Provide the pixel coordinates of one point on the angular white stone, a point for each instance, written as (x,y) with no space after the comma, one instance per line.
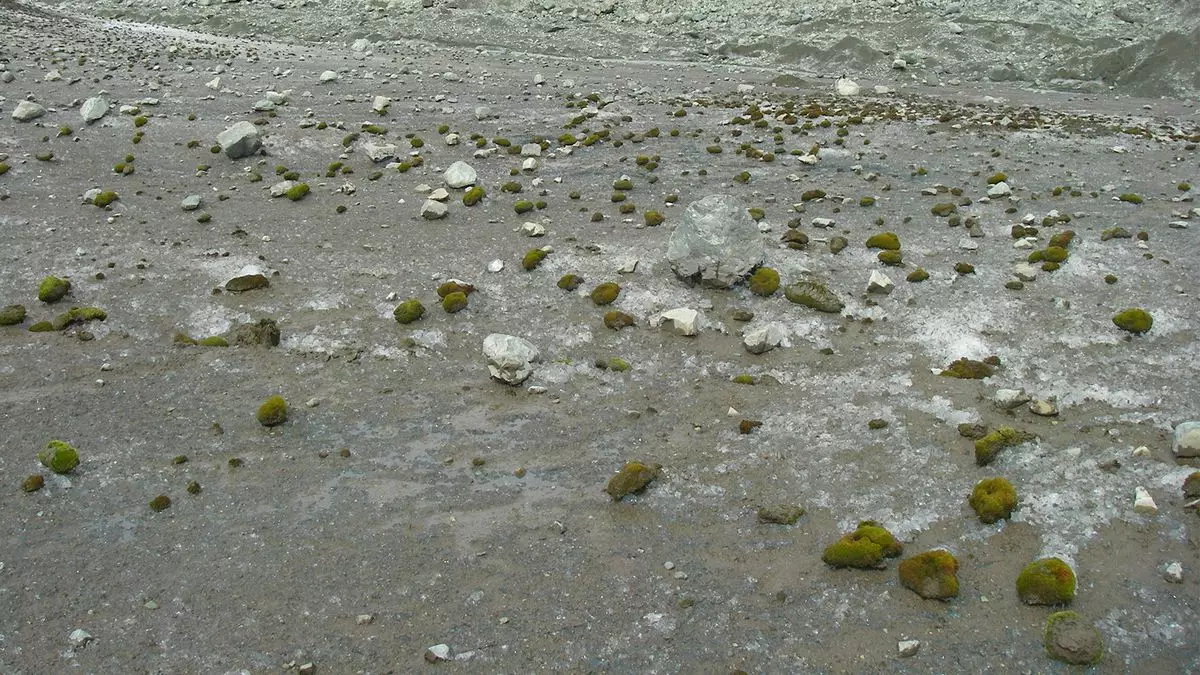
(846,87)
(433,210)
(880,283)
(1187,440)
(329,76)
(1008,399)
(531,150)
(907,648)
(1174,572)
(27,110)
(460,175)
(379,152)
(683,319)
(380,104)
(533,229)
(510,358)
(1000,189)
(763,338)
(716,243)
(93,109)
(1143,502)
(239,140)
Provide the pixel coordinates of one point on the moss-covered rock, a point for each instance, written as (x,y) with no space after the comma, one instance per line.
(653,218)
(814,295)
(780,514)
(263,333)
(570,282)
(160,503)
(409,311)
(994,441)
(213,341)
(53,289)
(795,240)
(33,483)
(1048,581)
(41,327)
(473,196)
(193,488)
(968,369)
(1134,320)
(631,479)
(917,276)
(963,268)
(764,281)
(533,257)
(812,195)
(77,315)
(1130,198)
(1063,239)
(1070,638)
(617,320)
(864,548)
(993,499)
(943,210)
(12,315)
(891,258)
(454,302)
(105,198)
(606,293)
(932,574)
(837,244)
(887,241)
(297,192)
(272,412)
(59,457)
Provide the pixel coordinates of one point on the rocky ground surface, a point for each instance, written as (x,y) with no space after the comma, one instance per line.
(410,501)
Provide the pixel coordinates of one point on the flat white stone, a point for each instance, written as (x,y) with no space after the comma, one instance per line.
(1143,502)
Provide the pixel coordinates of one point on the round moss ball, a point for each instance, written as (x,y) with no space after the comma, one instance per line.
(570,282)
(1135,320)
(160,503)
(59,457)
(764,281)
(12,315)
(532,259)
(993,499)
(33,483)
(932,575)
(892,258)
(409,311)
(454,302)
(1048,581)
(606,293)
(272,412)
(1070,638)
(52,289)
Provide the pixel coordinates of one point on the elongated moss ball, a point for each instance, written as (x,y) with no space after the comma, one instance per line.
(59,457)
(52,289)
(409,311)
(272,412)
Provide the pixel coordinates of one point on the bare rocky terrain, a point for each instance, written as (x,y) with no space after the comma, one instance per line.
(410,501)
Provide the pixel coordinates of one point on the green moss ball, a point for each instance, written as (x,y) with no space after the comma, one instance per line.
(454,302)
(1048,581)
(764,282)
(52,289)
(606,293)
(272,412)
(59,457)
(409,311)
(993,499)
(1134,320)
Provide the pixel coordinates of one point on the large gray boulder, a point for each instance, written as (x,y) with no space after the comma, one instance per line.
(27,110)
(239,140)
(510,358)
(716,243)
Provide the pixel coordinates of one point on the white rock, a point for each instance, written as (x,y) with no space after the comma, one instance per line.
(329,76)
(716,242)
(968,245)
(1008,399)
(80,638)
(460,175)
(531,150)
(483,113)
(683,319)
(27,111)
(438,653)
(823,222)
(190,203)
(379,152)
(899,64)
(364,619)
(533,229)
(628,267)
(510,358)
(280,188)
(763,338)
(439,195)
(452,139)
(907,648)
(93,109)
(880,283)
(239,140)
(846,87)
(214,83)
(1187,440)
(530,164)
(380,104)
(360,45)
(1025,272)
(1174,572)
(496,265)
(1043,408)
(433,210)
(53,76)
(1143,502)
(1001,189)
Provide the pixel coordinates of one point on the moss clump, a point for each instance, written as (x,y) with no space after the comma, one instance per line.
(160,503)
(891,258)
(42,327)
(59,457)
(52,289)
(606,293)
(473,196)
(887,241)
(297,192)
(533,257)
(1055,254)
(623,184)
(105,198)
(631,479)
(272,412)
(511,187)
(917,276)
(812,195)
(1048,581)
(713,149)
(943,210)
(454,302)
(12,315)
(213,341)
(617,320)
(877,423)
(1130,198)
(780,514)
(866,201)
(814,295)
(523,206)
(968,369)
(964,268)
(77,315)
(990,445)
(993,499)
(1063,239)
(1070,638)
(193,488)
(409,311)
(454,286)
(764,282)
(836,244)
(653,218)
(33,483)
(997,178)
(570,282)
(3,168)
(932,575)
(864,548)
(1134,320)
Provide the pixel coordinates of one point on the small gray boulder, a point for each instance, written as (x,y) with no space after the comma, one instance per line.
(716,243)
(239,140)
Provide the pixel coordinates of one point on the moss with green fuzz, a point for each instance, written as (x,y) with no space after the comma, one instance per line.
(968,369)
(105,198)
(887,241)
(33,483)
(193,488)
(744,378)
(653,218)
(12,315)
(272,412)
(77,315)
(570,282)
(990,445)
(780,514)
(532,258)
(993,499)
(52,289)
(1130,198)
(4,168)
(997,178)
(932,575)
(1134,320)
(812,195)
(891,258)
(297,192)
(917,276)
(59,457)
(1048,581)
(606,293)
(408,311)
(764,282)
(473,196)
(877,423)
(617,320)
(454,302)
(943,210)
(160,503)
(964,268)
(523,206)
(633,478)
(864,548)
